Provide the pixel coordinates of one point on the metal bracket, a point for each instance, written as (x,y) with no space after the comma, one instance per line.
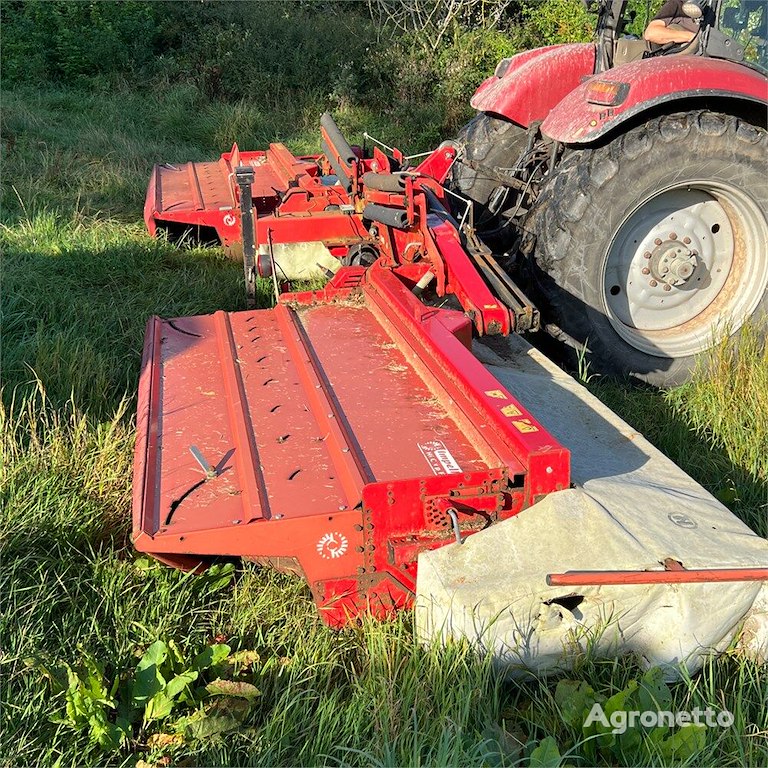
(244,177)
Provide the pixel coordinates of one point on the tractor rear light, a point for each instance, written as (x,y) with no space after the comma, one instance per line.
(606,94)
(502,67)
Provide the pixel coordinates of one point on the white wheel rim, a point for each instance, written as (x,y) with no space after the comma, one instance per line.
(685,265)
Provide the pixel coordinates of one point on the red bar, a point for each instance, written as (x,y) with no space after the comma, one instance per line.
(684,576)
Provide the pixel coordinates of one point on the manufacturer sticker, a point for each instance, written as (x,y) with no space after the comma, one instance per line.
(332,545)
(681,519)
(439,458)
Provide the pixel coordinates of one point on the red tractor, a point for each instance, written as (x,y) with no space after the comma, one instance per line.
(628,186)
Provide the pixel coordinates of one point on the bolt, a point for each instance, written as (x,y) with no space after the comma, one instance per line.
(657,241)
(687,240)
(342,507)
(646,271)
(653,283)
(673,235)
(667,287)
(647,255)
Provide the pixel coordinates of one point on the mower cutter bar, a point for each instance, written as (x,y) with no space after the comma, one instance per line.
(336,435)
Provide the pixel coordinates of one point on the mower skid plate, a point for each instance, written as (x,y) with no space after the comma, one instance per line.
(315,438)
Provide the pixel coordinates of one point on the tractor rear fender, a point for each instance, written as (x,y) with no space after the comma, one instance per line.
(534,82)
(607,100)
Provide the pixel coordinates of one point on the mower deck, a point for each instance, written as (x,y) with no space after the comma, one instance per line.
(206,195)
(325,437)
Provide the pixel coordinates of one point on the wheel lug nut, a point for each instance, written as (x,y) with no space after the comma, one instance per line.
(687,240)
(673,235)
(653,283)
(646,271)
(667,287)
(657,241)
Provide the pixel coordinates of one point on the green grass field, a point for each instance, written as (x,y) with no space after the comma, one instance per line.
(80,277)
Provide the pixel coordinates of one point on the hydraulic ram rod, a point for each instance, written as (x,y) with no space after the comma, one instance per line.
(682,576)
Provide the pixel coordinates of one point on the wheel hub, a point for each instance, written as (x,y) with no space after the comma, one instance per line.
(672,263)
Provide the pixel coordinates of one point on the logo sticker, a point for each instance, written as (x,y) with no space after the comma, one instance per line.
(229,220)
(439,458)
(332,545)
(681,519)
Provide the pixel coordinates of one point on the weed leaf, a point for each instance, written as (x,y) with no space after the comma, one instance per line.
(546,755)
(231,688)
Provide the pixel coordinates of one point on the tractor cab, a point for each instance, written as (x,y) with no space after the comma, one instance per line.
(735,30)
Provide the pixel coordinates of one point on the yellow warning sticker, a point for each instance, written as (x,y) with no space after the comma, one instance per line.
(524,425)
(511,410)
(497,393)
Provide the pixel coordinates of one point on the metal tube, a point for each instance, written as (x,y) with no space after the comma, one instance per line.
(683,576)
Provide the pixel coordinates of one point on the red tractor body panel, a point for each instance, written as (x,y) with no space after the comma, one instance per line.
(535,82)
(644,84)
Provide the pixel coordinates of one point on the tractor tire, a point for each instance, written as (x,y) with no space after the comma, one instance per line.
(488,143)
(651,246)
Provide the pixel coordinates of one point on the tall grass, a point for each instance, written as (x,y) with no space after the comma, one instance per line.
(79,279)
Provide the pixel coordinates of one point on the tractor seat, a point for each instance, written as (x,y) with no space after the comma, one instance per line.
(632,49)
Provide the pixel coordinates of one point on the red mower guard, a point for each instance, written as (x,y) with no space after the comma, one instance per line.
(336,435)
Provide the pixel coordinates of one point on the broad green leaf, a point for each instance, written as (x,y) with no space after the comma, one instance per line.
(575,699)
(546,754)
(158,707)
(210,657)
(176,658)
(654,695)
(686,742)
(232,688)
(180,682)
(146,683)
(617,704)
(154,656)
(225,715)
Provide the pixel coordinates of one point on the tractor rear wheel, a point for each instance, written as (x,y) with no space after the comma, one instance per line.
(490,146)
(651,246)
